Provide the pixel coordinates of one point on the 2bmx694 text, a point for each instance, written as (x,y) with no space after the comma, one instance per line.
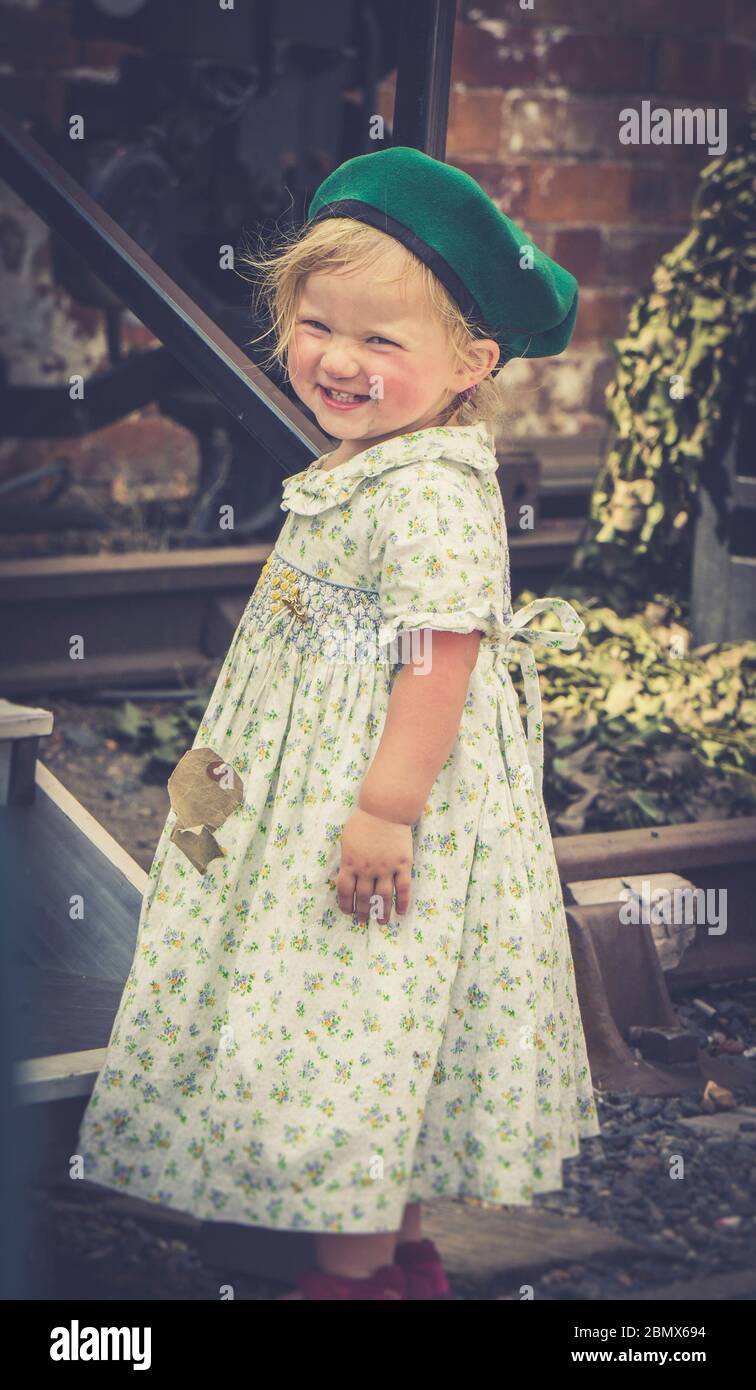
(635,1353)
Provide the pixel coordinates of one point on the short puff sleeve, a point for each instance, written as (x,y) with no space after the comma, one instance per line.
(437,551)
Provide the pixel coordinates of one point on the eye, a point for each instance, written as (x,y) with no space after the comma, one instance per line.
(377,339)
(314,323)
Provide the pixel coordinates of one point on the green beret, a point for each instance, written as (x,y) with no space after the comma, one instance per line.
(443,216)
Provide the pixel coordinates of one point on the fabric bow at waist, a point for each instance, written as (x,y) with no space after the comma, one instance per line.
(518,644)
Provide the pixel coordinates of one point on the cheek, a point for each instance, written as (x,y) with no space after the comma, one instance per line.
(302,354)
(406,384)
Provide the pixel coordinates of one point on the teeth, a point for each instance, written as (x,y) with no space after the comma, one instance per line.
(340,395)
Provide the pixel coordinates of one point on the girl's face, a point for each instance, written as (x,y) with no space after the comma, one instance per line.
(377,345)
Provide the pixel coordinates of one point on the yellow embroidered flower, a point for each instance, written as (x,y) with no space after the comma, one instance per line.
(285,592)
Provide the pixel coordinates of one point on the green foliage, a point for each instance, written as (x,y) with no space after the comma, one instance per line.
(167,736)
(641,730)
(676,389)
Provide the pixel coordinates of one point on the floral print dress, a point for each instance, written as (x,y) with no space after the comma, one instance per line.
(273,1062)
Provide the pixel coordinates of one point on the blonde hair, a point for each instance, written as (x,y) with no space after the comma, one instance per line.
(342,244)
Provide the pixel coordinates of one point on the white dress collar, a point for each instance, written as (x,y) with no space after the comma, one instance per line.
(315,489)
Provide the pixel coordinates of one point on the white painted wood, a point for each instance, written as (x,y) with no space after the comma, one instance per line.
(41,1079)
(24,721)
(671,938)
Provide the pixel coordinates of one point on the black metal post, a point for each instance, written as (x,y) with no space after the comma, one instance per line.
(423,75)
(193,338)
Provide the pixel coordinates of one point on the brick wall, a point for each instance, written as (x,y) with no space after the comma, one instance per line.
(534,116)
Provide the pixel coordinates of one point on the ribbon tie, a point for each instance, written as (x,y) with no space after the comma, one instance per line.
(519,646)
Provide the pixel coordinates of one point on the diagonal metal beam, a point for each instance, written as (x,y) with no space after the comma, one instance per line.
(211,357)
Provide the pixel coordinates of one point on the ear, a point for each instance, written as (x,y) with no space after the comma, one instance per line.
(483,356)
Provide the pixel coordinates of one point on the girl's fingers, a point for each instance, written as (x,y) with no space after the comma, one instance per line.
(402,880)
(363,893)
(382,899)
(363,897)
(346,883)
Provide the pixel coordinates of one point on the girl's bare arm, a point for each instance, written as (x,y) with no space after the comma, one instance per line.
(421,726)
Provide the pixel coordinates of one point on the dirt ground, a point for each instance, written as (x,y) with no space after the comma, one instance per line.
(79,1245)
(107,779)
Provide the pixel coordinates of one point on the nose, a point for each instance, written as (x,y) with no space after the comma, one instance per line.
(339,363)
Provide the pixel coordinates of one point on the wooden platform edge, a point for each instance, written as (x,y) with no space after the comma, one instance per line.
(87,825)
(59,1077)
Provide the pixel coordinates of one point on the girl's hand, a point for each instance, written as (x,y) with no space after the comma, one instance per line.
(376,858)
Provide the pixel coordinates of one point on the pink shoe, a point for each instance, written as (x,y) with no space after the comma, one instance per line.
(426,1276)
(386,1283)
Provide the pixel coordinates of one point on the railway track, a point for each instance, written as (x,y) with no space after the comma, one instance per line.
(165,617)
(159,618)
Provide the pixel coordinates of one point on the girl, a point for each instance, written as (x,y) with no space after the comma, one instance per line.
(352,988)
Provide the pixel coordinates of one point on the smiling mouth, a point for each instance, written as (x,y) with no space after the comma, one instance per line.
(345,396)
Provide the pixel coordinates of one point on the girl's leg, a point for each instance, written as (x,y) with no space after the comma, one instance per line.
(357,1256)
(354,1256)
(411,1223)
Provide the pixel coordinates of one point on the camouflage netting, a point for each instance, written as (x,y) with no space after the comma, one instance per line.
(675,393)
